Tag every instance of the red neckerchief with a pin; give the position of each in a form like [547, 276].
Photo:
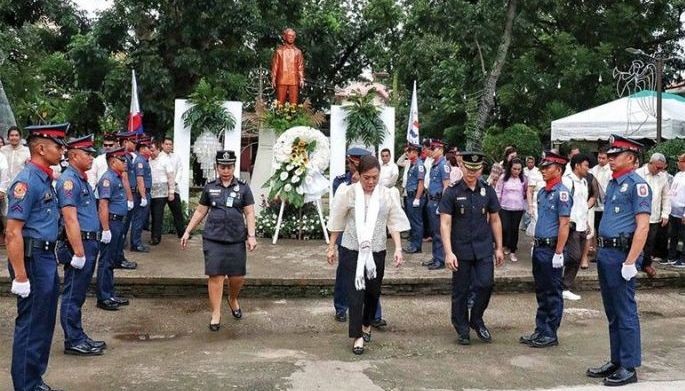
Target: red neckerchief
[621, 173]
[45, 169]
[551, 183]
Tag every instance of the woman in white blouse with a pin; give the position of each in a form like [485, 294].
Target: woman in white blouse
[362, 212]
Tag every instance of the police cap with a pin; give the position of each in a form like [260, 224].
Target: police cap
[473, 160]
[620, 144]
[357, 152]
[84, 143]
[56, 133]
[551, 157]
[225, 157]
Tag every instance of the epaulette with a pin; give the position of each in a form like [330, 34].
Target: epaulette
[341, 176]
[241, 181]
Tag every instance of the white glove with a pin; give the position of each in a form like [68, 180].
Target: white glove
[129, 205]
[558, 261]
[21, 289]
[78, 262]
[143, 202]
[416, 203]
[106, 237]
[628, 271]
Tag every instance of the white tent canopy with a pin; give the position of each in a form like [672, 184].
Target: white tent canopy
[633, 116]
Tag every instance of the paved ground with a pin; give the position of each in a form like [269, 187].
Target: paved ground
[164, 344]
[299, 268]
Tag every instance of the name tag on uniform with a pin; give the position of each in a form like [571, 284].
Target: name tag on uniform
[229, 202]
[461, 198]
[214, 191]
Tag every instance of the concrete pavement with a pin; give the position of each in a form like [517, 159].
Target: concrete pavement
[294, 344]
[294, 268]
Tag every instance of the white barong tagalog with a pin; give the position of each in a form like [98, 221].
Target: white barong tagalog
[365, 222]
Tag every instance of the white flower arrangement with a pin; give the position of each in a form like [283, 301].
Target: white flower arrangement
[299, 153]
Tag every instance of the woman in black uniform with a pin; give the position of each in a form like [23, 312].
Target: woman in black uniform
[229, 205]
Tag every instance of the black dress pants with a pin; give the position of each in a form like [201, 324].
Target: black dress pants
[573, 253]
[472, 275]
[177, 214]
[675, 233]
[362, 303]
[511, 219]
[648, 250]
[157, 212]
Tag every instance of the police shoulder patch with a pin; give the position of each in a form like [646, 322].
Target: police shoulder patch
[447, 168]
[642, 189]
[20, 189]
[68, 185]
[563, 196]
[421, 168]
[105, 183]
[140, 165]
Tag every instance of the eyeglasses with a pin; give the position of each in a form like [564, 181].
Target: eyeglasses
[108, 145]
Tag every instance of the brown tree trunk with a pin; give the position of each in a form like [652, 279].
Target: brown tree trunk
[487, 100]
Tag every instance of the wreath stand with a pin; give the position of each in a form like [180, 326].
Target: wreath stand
[280, 221]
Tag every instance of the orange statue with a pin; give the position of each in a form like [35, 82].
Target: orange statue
[287, 69]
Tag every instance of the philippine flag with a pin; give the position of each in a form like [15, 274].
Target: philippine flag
[135, 117]
[413, 125]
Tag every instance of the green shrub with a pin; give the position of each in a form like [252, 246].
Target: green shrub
[298, 223]
[525, 139]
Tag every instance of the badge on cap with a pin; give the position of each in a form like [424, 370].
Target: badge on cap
[226, 156]
[642, 190]
[474, 158]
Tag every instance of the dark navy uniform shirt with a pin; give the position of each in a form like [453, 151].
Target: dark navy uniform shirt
[111, 188]
[552, 205]
[471, 235]
[73, 190]
[225, 220]
[340, 179]
[416, 173]
[141, 167]
[130, 170]
[440, 171]
[32, 199]
[626, 197]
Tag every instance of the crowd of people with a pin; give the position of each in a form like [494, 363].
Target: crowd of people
[65, 205]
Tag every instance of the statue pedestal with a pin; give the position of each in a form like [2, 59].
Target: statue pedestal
[262, 170]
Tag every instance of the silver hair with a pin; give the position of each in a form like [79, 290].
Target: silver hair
[657, 157]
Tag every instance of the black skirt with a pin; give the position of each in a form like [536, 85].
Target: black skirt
[224, 259]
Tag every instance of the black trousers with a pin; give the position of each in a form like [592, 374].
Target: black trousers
[478, 276]
[675, 233]
[661, 243]
[157, 212]
[510, 228]
[362, 304]
[177, 214]
[648, 250]
[573, 253]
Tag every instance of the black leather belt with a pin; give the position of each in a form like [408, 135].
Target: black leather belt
[436, 197]
[115, 217]
[85, 235]
[545, 242]
[621, 242]
[42, 244]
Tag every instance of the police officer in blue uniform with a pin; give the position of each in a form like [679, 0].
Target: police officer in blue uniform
[439, 181]
[112, 209]
[128, 143]
[470, 223]
[551, 232]
[622, 235]
[80, 216]
[141, 195]
[32, 228]
[229, 206]
[415, 198]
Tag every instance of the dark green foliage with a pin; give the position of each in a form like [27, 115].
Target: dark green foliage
[523, 137]
[363, 120]
[206, 112]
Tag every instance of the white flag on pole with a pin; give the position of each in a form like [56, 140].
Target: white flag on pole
[413, 125]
